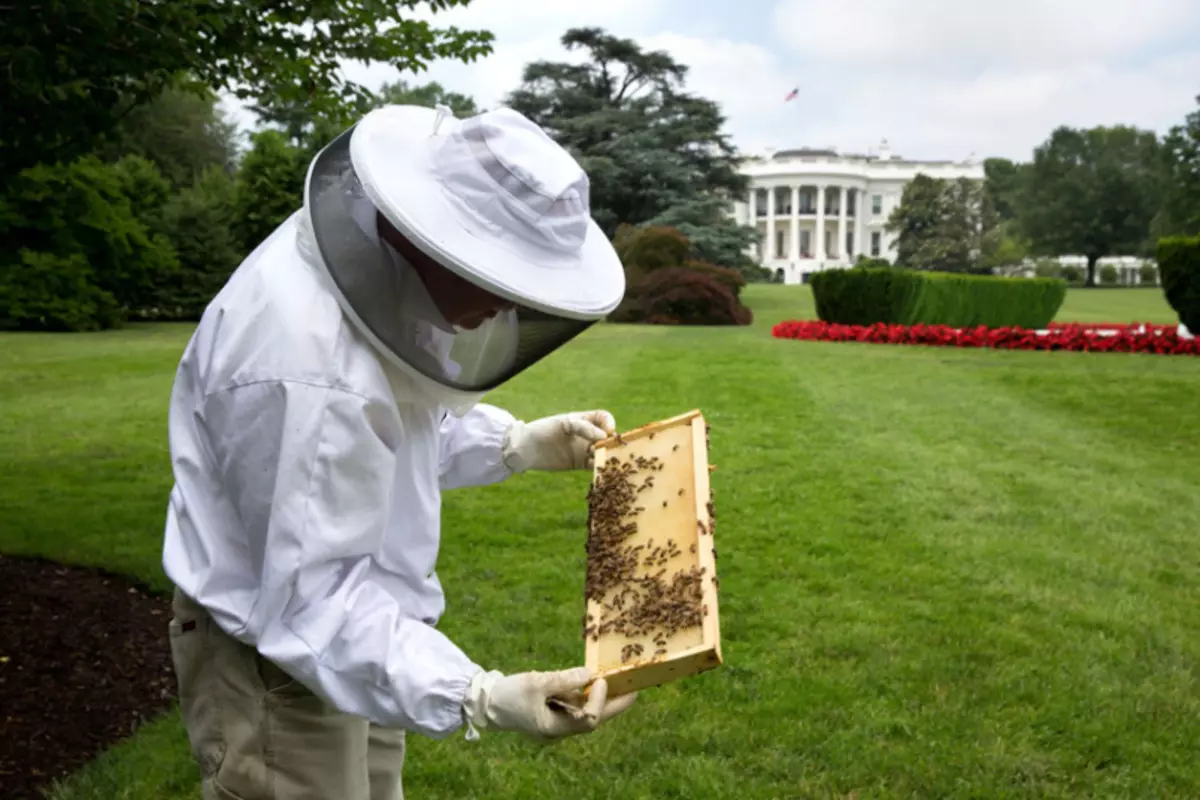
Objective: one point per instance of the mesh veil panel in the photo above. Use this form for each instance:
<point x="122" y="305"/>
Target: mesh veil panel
<point x="389" y="300"/>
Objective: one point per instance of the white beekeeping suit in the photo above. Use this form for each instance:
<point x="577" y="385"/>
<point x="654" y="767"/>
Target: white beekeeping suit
<point x="330" y="394"/>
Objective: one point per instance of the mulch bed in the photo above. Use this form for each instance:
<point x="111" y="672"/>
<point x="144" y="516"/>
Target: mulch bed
<point x="84" y="660"/>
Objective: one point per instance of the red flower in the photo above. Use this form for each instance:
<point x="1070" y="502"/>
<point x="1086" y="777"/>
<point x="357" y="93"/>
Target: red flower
<point x="1128" y="338"/>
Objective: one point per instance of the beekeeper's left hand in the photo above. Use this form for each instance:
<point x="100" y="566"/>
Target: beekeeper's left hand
<point x="561" y="442"/>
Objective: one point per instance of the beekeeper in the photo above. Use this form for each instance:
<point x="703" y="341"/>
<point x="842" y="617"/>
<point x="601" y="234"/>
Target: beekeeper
<point x="328" y="397"/>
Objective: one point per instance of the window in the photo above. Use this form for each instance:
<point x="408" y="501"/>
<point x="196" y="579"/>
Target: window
<point x="876" y="243"/>
<point x="760" y="203"/>
<point x="849" y="244"/>
<point x="780" y="251"/>
<point x="830" y="238"/>
<point x="806" y="244"/>
<point x="877" y="204"/>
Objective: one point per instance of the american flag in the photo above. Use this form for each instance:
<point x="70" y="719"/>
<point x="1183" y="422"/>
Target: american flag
<point x="791" y="95"/>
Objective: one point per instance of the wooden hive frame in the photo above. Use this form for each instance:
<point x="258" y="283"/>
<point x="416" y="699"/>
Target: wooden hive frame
<point x="673" y="505"/>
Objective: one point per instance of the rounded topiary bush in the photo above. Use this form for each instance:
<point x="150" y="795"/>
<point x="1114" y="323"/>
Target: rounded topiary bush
<point x="1179" y="272"/>
<point x="683" y="296"/>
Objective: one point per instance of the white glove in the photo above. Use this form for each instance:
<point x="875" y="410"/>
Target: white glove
<point x="556" y="443"/>
<point x="518" y="703"/>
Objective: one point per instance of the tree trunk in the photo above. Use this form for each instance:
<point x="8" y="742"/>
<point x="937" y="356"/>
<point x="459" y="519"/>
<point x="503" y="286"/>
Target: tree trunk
<point x="1091" y="270"/>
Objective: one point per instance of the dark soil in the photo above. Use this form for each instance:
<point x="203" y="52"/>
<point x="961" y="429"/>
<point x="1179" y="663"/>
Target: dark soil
<point x="84" y="659"/>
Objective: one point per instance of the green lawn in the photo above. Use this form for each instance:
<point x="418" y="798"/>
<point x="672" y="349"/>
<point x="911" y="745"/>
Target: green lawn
<point x="944" y="573"/>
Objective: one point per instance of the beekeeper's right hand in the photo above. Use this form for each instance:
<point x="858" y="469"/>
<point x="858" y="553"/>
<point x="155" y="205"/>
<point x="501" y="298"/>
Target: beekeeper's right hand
<point x="517" y="703"/>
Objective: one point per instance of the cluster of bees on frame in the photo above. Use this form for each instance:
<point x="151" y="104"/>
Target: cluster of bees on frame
<point x="636" y="604"/>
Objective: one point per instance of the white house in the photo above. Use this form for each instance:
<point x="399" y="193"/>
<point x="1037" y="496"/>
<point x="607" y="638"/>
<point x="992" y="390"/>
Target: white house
<point x="858" y="191"/>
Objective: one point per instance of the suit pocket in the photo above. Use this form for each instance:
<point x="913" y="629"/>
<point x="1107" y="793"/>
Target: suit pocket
<point x="277" y="683"/>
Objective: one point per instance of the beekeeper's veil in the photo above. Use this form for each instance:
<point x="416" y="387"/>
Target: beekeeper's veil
<point x="491" y="198"/>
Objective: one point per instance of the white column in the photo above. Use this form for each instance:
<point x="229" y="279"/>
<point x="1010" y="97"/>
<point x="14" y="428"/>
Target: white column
<point x="819" y="235"/>
<point x="770" y="251"/>
<point x="860" y="241"/>
<point x="794" y="250"/>
<point x="843" y="217"/>
<point x="758" y="254"/>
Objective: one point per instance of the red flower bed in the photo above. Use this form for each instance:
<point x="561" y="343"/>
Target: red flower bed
<point x="1113" y="326"/>
<point x="1163" y="339"/>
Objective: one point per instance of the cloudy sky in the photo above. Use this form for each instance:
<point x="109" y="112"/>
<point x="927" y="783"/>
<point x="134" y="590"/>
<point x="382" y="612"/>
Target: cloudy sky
<point x="936" y="78"/>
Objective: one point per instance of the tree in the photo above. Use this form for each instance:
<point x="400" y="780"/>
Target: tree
<point x="916" y="221"/>
<point x="949" y="226"/>
<point x="199" y="222"/>
<point x="1003" y="179"/>
<point x="429" y="95"/>
<point x="270" y="186"/>
<point x="183" y="133"/>
<point x="1006" y="246"/>
<point x="1092" y="193"/>
<point x="311" y="129"/>
<point x="73" y="254"/>
<point x="146" y="189"/>
<point x="73" y="68"/>
<point x="652" y="151"/>
<point x="1180" y="214"/>
<point x="702" y="220"/>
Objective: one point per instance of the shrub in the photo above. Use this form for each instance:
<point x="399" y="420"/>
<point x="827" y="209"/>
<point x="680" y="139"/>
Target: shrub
<point x="865" y="296"/>
<point x="1179" y="269"/>
<point x="1073" y="274"/>
<point x="73" y="254"/>
<point x="1148" y="274"/>
<point x="1109" y="275"/>
<point x="869" y="262"/>
<point x="644" y="250"/>
<point x="681" y="296"/>
<point x="50" y="292"/>
<point x="731" y="279"/>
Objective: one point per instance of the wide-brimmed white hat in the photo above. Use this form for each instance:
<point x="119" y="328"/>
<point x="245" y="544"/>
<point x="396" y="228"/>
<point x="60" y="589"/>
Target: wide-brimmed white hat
<point x="491" y="198"/>
<point x="494" y="199"/>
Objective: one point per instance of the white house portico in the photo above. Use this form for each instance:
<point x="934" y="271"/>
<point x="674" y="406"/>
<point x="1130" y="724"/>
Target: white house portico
<point x="818" y="209"/>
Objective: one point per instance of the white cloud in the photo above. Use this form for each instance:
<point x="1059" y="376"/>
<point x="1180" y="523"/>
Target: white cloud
<point x="915" y="33"/>
<point x="745" y="78"/>
<point x="937" y="78"/>
<point x="525" y="31"/>
<point x="942" y="79"/>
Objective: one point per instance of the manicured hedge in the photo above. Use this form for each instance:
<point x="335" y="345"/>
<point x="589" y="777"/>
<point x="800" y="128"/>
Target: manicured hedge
<point x="1179" y="268"/>
<point x="865" y="296"/>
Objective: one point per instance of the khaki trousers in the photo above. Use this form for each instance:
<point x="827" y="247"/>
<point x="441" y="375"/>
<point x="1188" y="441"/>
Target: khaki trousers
<point x="260" y="735"/>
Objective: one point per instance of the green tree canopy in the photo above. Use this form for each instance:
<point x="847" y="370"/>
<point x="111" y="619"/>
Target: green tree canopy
<point x="182" y="132"/>
<point x="1180" y="213"/>
<point x="1092" y="192"/>
<point x="1004" y="184"/>
<point x="652" y="151"/>
<point x="948" y="226"/>
<point x="310" y="129"/>
<point x="269" y="187"/>
<point x="73" y="68"/>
